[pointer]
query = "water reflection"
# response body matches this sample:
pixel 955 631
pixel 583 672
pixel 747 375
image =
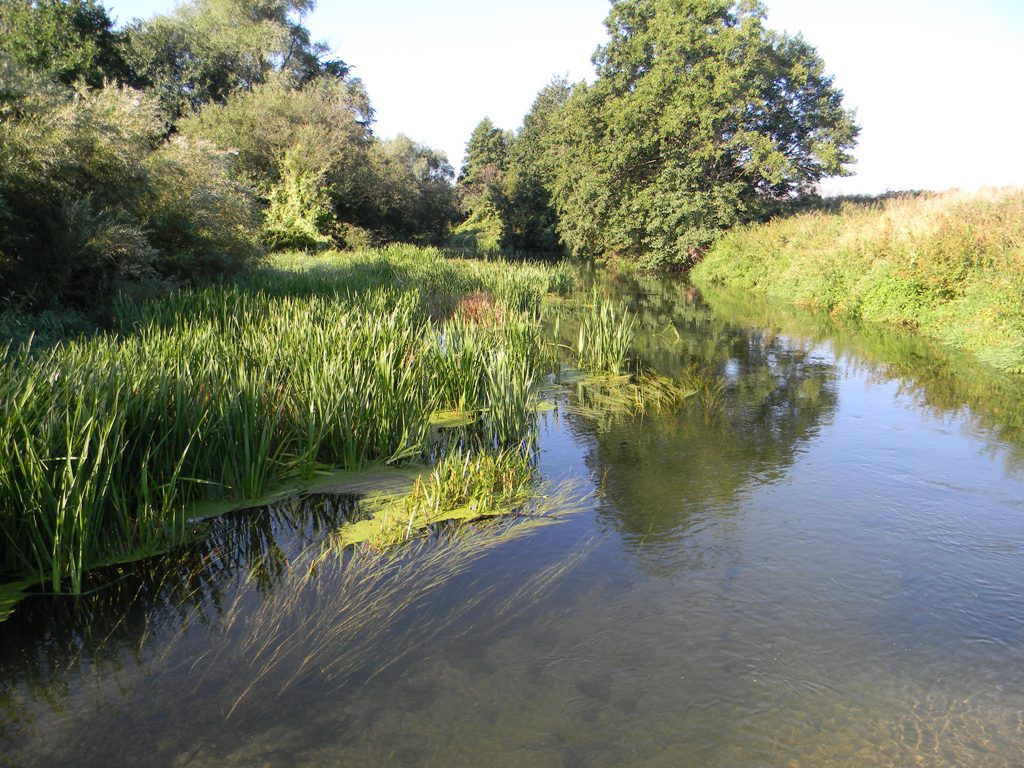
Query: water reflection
pixel 937 379
pixel 778 393
pixel 825 568
pixel 264 613
pixel 122 606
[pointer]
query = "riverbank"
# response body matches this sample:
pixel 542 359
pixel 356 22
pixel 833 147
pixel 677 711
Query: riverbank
pixel 227 391
pixel 949 265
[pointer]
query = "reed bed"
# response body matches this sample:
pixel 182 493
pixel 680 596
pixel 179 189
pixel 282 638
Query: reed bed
pixel 606 333
pixel 607 380
pixel 225 391
pixel 948 265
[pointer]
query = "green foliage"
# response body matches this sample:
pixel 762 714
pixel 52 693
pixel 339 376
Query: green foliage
pixel 463 486
pixel 68 40
pixel 322 129
pixel 70 163
pixel 480 189
pixel 397 189
pixel 354 238
pixel 226 391
pixel 531 221
pixel 298 212
pixel 43 329
pixel 482 233
pixel 700 118
pixel 92 200
pixel 205 50
pixel 202 218
pixel 486 157
pixel 407 195
pixel 137 157
pixel 503 186
pixel 948 265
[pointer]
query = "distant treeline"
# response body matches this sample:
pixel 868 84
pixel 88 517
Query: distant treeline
pixel 187 144
pixel 700 118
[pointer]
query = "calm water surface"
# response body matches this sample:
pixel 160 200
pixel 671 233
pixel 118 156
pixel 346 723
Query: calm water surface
pixel 826 568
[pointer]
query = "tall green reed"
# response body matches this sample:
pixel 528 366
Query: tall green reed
pixel 605 336
pixel 223 391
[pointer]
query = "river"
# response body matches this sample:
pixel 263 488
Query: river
pixel 821 564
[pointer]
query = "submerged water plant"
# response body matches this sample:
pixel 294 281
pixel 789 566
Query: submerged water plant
pixel 330 615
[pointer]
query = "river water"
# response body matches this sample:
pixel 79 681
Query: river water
pixel 823 565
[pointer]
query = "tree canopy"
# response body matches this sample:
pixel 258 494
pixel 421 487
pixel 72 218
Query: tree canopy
pixel 68 40
pixel 186 144
pixel 700 118
pixel 204 50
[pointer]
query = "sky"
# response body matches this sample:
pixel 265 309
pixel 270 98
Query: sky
pixel 937 85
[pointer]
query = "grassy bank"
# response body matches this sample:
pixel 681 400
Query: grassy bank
pixel 227 391
pixel 948 265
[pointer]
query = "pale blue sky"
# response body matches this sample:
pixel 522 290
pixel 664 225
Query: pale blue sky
pixel 938 85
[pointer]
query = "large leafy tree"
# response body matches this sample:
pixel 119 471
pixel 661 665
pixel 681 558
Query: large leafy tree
pixel 408 195
pixel 205 50
pixel 68 40
pixel 530 219
pixel 486 155
pixel 700 118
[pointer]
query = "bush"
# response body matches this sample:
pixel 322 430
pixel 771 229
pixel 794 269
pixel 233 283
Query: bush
pixel 298 213
pixel 92 201
pixel 71 165
pixel 204 220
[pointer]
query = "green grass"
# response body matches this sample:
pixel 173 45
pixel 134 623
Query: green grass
pixel 225 391
pixel 218 394
pixel 949 265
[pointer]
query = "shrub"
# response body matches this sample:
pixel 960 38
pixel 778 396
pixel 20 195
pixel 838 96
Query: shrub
pixel 204 220
pixel 298 212
pixel 71 166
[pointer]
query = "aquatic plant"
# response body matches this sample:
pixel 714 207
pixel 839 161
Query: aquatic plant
pixel 605 335
pixel 461 487
pixel 226 391
pixel 605 399
pixel 329 616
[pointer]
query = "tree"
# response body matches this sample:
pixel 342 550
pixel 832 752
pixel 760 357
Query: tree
pixel 301 149
pixel 409 196
pixel 700 118
pixel 325 126
pixel 480 188
pixel 68 40
pixel 486 155
pixel 530 218
pixel 205 50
